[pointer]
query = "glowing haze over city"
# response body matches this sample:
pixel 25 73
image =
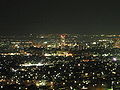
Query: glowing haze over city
pixel 59 45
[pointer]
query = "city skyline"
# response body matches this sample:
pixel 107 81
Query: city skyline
pixel 60 62
pixel 59 45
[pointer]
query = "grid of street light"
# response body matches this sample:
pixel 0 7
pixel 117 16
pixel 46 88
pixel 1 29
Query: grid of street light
pixel 60 62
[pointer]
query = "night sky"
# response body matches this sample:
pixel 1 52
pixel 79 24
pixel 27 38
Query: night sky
pixel 59 16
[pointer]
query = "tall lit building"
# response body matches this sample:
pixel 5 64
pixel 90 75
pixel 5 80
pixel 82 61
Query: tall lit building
pixel 63 36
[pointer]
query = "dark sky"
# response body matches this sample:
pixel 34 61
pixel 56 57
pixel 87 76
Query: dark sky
pixel 59 16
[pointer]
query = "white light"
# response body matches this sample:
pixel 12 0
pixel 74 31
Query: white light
pixel 114 59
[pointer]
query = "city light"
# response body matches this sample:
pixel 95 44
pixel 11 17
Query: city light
pixel 60 62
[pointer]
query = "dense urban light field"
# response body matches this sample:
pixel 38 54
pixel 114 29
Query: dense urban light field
pixel 60 62
pixel 59 45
